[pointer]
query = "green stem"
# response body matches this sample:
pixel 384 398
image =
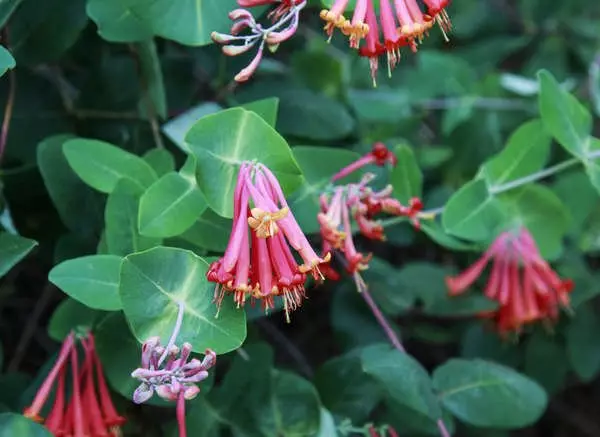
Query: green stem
pixel 534 177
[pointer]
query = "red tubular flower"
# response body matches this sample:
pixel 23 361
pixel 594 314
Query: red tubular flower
pixel 34 410
pixel 262 266
pixel 521 281
pixel 379 155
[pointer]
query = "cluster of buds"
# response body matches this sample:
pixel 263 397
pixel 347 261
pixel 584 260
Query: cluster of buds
pixel 388 431
pixel 521 281
pixel 169 372
pixel 359 201
pixel 89 411
pixel 247 33
pixel 258 262
pixel 405 28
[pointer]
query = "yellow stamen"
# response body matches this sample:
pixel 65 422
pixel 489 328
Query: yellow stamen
pixel 264 223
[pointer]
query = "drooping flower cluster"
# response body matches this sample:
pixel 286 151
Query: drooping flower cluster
pixel 258 262
pixel 169 372
pixel 521 281
pixel 403 24
pixel 358 201
pixel 284 23
pixel 89 411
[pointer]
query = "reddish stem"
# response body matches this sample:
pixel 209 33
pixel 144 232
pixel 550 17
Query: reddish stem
pixel 389 331
pixel 181 414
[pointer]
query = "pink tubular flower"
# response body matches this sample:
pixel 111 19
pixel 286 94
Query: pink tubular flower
pixel 403 24
pixel 285 18
pixel 379 155
pixel 521 281
pixel 261 265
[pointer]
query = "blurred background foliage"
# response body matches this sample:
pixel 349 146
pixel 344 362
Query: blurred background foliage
pixel 454 104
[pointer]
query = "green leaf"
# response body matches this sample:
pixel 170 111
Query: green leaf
pixel 152 285
pixel 121 217
pixel 101 165
pixel 210 232
pixel 472 213
pixel 71 315
pixel 542 213
pixel 295 409
pixel 221 142
pixel 485 394
pixel 435 231
pixel 43 32
pixel 13 248
pixel 582 343
pixel 188 22
pixel 7 62
pixel 327 427
pixel 6 10
pixel 92 280
pixel 569 122
pixel 540 350
pixel 303 113
pixel 402 378
pixel 406 177
pixel 79 206
pixel 153 77
pixel 12 425
pixel 161 161
pixel 318 165
pixel 592 163
pixel 170 206
pixel 525 153
pixel 595 86
pixel 344 389
pixel 177 128
pixel 266 108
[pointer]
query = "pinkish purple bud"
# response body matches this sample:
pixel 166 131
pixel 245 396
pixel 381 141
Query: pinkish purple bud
pixel 190 392
pixel 239 14
pixel 221 38
pixel 148 349
pixel 210 359
pixel 142 393
pixel 249 70
pixel 198 377
pixel 231 50
pixel 166 392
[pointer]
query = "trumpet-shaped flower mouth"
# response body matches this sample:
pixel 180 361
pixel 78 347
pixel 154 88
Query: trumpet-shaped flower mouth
pixel 521 281
pixel 258 263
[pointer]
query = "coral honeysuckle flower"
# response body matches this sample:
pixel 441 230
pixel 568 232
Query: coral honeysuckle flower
pixel 521 281
pixel 403 24
pixel 358 201
pixel 89 410
pixel 258 262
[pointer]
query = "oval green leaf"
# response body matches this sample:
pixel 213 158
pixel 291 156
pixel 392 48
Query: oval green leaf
pixel 489 395
pixel 12 425
pixel 6 60
pixel 406 177
pixel 472 213
pixel 402 378
pixel 92 280
pixel 170 206
pixel 222 141
pixel 569 122
pixel 101 165
pixel 13 248
pixel 152 285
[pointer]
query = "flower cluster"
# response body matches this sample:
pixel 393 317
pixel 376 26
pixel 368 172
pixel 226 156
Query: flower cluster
pixel 403 24
pixel 89 410
pixel 360 202
pixel 169 372
pixel 284 23
pixel 258 262
pixel 521 281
